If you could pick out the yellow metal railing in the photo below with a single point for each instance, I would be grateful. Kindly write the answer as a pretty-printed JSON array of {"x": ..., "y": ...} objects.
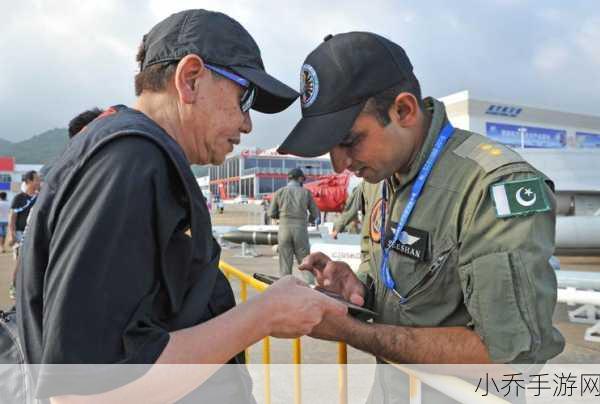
[
  {"x": 451, "y": 386},
  {"x": 245, "y": 281}
]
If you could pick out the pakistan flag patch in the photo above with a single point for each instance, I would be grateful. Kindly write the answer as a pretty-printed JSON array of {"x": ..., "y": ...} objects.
[{"x": 522, "y": 197}]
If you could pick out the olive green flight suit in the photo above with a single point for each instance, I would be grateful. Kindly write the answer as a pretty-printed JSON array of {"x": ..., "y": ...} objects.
[
  {"x": 350, "y": 214},
  {"x": 290, "y": 205},
  {"x": 477, "y": 270},
  {"x": 487, "y": 273}
]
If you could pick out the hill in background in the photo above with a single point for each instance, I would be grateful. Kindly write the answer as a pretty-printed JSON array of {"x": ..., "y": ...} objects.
[
  {"x": 46, "y": 146},
  {"x": 39, "y": 149}
]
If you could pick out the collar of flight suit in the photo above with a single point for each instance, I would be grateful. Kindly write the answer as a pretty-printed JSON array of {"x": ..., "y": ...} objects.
[{"x": 438, "y": 120}]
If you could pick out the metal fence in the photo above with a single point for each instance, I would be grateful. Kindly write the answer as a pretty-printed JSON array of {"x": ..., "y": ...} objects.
[{"x": 454, "y": 387}]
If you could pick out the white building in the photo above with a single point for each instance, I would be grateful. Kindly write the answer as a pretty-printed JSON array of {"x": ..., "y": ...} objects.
[{"x": 565, "y": 146}]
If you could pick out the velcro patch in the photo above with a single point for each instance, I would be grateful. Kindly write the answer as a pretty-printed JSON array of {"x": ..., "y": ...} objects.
[
  {"x": 414, "y": 243},
  {"x": 488, "y": 154},
  {"x": 518, "y": 198}
]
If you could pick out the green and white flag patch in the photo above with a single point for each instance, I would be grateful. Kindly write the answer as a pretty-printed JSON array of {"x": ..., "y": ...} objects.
[{"x": 522, "y": 197}]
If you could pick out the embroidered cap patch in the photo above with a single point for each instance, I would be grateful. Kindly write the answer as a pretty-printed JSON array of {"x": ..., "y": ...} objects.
[{"x": 517, "y": 198}]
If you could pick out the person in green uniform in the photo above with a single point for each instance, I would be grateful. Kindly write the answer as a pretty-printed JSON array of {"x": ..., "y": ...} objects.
[
  {"x": 458, "y": 229},
  {"x": 349, "y": 219},
  {"x": 294, "y": 207}
]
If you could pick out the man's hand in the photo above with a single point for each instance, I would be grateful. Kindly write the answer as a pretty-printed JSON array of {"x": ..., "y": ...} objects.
[
  {"x": 334, "y": 234},
  {"x": 335, "y": 276},
  {"x": 293, "y": 309}
]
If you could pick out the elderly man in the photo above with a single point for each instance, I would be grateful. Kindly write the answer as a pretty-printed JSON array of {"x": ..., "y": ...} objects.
[
  {"x": 458, "y": 229},
  {"x": 110, "y": 273}
]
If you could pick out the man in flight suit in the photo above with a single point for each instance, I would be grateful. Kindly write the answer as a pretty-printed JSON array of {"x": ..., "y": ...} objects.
[
  {"x": 464, "y": 275},
  {"x": 290, "y": 206},
  {"x": 349, "y": 219}
]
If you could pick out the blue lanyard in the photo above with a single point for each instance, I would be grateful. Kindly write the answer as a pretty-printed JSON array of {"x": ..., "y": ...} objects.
[{"x": 415, "y": 192}]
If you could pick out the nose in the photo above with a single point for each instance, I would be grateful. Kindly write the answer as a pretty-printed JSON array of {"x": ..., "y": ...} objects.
[
  {"x": 340, "y": 159},
  {"x": 247, "y": 123}
]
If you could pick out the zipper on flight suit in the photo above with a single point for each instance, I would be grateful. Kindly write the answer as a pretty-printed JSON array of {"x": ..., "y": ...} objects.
[{"x": 431, "y": 272}]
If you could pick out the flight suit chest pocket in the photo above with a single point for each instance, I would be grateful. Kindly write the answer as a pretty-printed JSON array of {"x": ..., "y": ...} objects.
[{"x": 415, "y": 279}]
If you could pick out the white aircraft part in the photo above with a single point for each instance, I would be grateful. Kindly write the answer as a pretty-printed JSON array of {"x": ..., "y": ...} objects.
[
  {"x": 578, "y": 279},
  {"x": 273, "y": 228},
  {"x": 350, "y": 254},
  {"x": 259, "y": 227},
  {"x": 577, "y": 232},
  {"x": 588, "y": 313},
  {"x": 574, "y": 296}
]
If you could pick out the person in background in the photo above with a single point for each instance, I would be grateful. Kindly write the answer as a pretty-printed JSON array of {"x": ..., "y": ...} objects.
[
  {"x": 21, "y": 206},
  {"x": 17, "y": 219},
  {"x": 264, "y": 204},
  {"x": 4, "y": 211},
  {"x": 79, "y": 122},
  {"x": 294, "y": 207}
]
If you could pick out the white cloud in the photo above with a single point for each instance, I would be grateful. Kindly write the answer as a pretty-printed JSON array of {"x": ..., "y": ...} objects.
[
  {"x": 551, "y": 59},
  {"x": 588, "y": 40},
  {"x": 62, "y": 56}
]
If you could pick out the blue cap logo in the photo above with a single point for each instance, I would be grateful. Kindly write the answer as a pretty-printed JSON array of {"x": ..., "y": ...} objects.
[{"x": 309, "y": 86}]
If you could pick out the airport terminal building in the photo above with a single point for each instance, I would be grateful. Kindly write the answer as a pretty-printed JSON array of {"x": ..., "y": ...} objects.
[
  {"x": 565, "y": 146},
  {"x": 254, "y": 173}
]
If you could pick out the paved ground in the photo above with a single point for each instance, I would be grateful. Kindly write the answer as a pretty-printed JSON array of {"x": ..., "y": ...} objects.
[{"x": 314, "y": 351}]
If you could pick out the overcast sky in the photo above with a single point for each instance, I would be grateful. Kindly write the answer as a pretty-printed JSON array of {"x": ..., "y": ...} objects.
[{"x": 59, "y": 57}]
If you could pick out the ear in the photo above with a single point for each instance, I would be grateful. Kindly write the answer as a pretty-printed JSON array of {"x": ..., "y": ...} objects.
[
  {"x": 405, "y": 110},
  {"x": 188, "y": 77}
]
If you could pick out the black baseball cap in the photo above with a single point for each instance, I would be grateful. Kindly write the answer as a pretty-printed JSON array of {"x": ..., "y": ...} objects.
[
  {"x": 219, "y": 40},
  {"x": 336, "y": 81}
]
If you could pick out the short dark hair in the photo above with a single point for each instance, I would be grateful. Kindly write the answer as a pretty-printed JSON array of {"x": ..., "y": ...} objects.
[
  {"x": 379, "y": 105},
  {"x": 81, "y": 120},
  {"x": 29, "y": 176},
  {"x": 154, "y": 77},
  {"x": 3, "y": 196}
]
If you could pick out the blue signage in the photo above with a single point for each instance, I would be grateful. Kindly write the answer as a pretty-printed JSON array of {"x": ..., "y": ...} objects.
[
  {"x": 587, "y": 140},
  {"x": 526, "y": 136},
  {"x": 503, "y": 110}
]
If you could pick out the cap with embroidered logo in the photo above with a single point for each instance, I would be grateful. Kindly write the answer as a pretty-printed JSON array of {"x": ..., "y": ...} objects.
[{"x": 336, "y": 80}]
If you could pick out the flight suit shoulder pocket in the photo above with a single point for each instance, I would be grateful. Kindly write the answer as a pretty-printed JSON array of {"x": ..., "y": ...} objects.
[{"x": 490, "y": 296}]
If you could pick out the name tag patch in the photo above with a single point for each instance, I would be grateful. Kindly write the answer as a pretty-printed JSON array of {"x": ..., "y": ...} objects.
[{"x": 413, "y": 242}]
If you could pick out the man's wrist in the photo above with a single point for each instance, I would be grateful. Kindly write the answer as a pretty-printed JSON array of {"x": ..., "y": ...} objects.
[{"x": 260, "y": 305}]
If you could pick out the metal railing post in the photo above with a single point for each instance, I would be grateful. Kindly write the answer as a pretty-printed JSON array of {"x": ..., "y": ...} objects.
[
  {"x": 342, "y": 373},
  {"x": 297, "y": 358},
  {"x": 267, "y": 362}
]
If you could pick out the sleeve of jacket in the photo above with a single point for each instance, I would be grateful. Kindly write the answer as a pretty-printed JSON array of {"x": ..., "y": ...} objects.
[
  {"x": 313, "y": 210},
  {"x": 350, "y": 212},
  {"x": 368, "y": 198},
  {"x": 274, "y": 208},
  {"x": 508, "y": 284}
]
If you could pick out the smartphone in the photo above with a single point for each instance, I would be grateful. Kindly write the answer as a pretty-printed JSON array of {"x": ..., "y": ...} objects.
[{"x": 352, "y": 308}]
